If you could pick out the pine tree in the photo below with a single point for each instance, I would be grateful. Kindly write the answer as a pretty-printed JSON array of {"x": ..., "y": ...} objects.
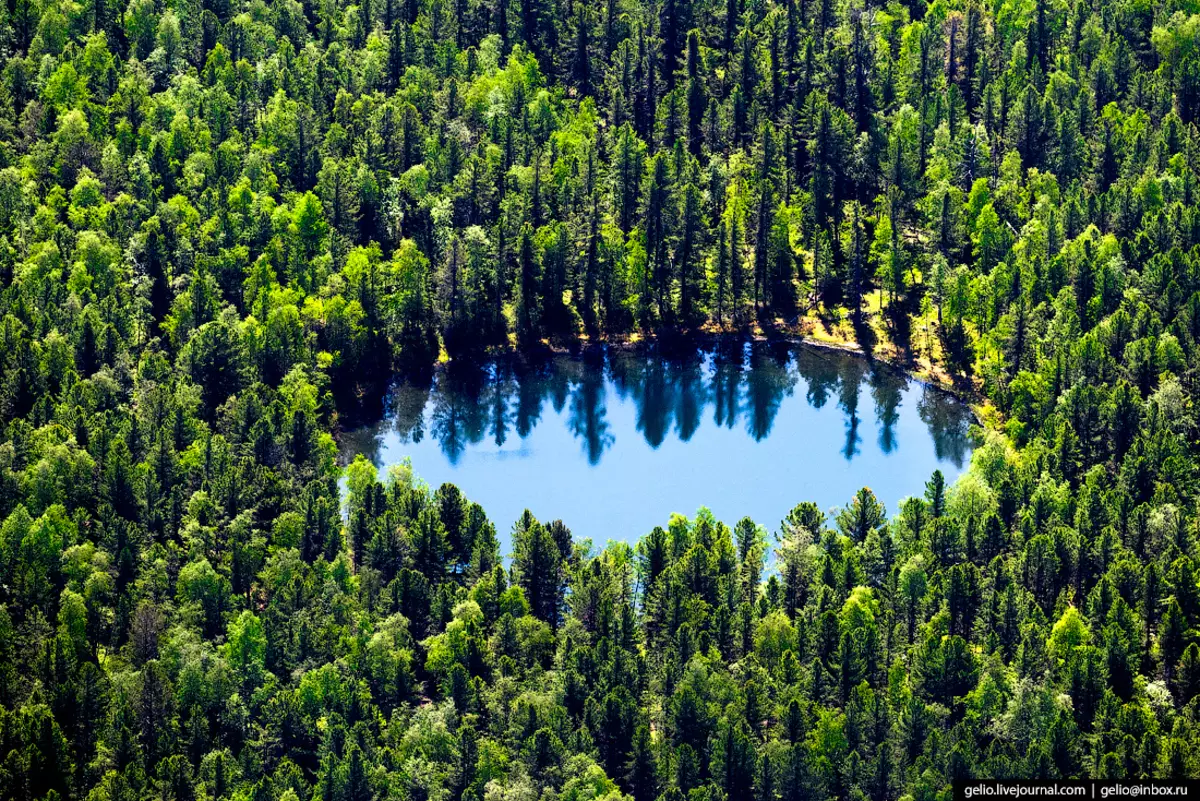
[{"x": 528, "y": 300}]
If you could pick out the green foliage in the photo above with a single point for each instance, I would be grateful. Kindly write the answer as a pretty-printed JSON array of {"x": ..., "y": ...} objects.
[{"x": 224, "y": 230}]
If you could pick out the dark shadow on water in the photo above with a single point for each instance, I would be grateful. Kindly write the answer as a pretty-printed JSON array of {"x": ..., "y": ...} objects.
[
  {"x": 459, "y": 415},
  {"x": 654, "y": 394},
  {"x": 671, "y": 390},
  {"x": 531, "y": 383},
  {"x": 768, "y": 380},
  {"x": 499, "y": 405},
  {"x": 692, "y": 395},
  {"x": 589, "y": 412},
  {"x": 949, "y": 421},
  {"x": 852, "y": 374},
  {"x": 887, "y": 388},
  {"x": 821, "y": 372},
  {"x": 407, "y": 409},
  {"x": 726, "y": 380}
]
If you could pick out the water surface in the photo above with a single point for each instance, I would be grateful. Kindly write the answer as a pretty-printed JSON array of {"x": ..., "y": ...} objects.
[{"x": 614, "y": 441}]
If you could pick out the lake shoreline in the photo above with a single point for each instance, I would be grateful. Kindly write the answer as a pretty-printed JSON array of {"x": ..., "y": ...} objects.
[
  {"x": 615, "y": 437},
  {"x": 371, "y": 407},
  {"x": 962, "y": 388}
]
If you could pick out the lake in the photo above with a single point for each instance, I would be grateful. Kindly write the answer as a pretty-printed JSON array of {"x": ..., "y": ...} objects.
[{"x": 614, "y": 441}]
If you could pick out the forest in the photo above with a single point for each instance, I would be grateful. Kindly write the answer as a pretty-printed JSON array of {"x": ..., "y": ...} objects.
[{"x": 225, "y": 228}]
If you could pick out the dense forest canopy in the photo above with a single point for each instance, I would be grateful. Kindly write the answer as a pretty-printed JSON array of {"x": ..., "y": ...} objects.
[{"x": 223, "y": 227}]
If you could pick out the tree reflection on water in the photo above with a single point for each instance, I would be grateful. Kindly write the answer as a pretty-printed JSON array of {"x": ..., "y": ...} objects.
[{"x": 461, "y": 406}]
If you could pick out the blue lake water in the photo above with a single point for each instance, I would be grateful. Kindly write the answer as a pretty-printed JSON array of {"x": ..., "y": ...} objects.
[{"x": 614, "y": 441}]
